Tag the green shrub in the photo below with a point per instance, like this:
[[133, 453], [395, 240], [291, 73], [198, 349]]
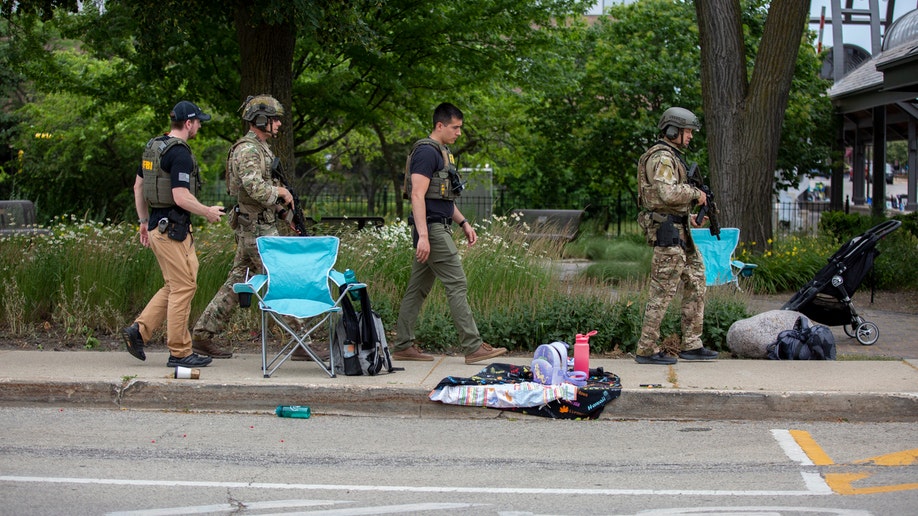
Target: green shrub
[[89, 279], [788, 264]]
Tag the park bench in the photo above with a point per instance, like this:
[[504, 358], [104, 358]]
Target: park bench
[[336, 224], [550, 224], [18, 218]]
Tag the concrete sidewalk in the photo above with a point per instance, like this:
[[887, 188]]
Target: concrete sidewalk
[[880, 384], [727, 389]]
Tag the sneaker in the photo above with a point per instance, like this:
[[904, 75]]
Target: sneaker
[[134, 341], [701, 353], [412, 354], [192, 360], [484, 352], [207, 348], [657, 358]]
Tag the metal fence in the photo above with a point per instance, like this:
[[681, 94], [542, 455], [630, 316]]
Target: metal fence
[[798, 216], [616, 215]]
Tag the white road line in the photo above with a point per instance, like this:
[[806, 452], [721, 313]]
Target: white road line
[[413, 489], [793, 450], [291, 504], [814, 482], [205, 509], [753, 511]]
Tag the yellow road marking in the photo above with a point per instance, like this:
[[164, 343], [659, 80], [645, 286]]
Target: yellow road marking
[[841, 483], [812, 450], [902, 458]]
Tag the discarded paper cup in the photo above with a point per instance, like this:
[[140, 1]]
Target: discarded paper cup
[[245, 299], [185, 373]]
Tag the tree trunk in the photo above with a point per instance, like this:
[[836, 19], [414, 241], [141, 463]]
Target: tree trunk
[[396, 168], [266, 67], [743, 117]]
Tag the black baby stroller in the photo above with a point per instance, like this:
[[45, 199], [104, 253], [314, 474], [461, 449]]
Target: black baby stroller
[[827, 298]]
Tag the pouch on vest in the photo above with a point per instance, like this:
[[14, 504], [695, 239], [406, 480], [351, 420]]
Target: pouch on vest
[[645, 222], [233, 218]]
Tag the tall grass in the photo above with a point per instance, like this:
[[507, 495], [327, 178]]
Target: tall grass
[[89, 279], [505, 271]]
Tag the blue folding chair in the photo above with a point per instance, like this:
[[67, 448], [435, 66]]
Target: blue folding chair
[[295, 285], [719, 266]]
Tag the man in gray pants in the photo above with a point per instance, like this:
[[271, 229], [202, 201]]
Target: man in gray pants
[[432, 183]]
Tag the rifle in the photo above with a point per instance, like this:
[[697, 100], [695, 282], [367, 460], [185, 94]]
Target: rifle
[[710, 208], [297, 221]]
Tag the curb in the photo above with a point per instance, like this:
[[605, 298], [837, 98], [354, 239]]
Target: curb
[[412, 402]]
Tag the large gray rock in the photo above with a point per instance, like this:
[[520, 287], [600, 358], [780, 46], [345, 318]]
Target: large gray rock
[[749, 338]]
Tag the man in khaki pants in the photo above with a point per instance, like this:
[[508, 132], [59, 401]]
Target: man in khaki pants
[[165, 197]]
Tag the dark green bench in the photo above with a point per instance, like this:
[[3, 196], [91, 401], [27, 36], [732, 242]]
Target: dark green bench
[[550, 224]]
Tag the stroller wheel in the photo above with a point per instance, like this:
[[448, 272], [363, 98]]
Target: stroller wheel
[[868, 333], [849, 331]]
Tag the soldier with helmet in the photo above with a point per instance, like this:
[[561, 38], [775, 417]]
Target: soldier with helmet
[[665, 199], [260, 196], [165, 192]]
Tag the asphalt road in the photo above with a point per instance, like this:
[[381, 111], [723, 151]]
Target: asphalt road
[[63, 461]]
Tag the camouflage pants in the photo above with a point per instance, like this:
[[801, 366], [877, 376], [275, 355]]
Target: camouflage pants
[[672, 266], [218, 311]]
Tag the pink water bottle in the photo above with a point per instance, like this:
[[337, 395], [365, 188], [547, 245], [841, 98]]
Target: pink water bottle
[[582, 352]]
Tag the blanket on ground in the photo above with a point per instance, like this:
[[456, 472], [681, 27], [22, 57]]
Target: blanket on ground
[[510, 387]]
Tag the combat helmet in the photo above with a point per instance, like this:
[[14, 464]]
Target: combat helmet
[[259, 109], [676, 118]]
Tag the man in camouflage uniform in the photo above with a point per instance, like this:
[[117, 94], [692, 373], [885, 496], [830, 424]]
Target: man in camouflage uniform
[[666, 200], [260, 197]]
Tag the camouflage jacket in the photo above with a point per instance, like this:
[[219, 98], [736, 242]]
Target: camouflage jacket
[[249, 179], [663, 182]]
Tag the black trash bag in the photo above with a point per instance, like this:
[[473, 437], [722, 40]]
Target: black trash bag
[[822, 343], [803, 342]]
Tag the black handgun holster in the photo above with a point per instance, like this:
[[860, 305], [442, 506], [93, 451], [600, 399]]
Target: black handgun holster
[[668, 234], [179, 226]]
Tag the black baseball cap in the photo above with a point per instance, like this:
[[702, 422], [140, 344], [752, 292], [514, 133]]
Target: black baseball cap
[[185, 110]]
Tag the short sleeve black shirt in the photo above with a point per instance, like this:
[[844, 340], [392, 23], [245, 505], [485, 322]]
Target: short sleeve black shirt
[[426, 160]]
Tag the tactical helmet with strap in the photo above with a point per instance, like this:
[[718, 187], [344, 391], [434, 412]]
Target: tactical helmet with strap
[[258, 110], [676, 118]]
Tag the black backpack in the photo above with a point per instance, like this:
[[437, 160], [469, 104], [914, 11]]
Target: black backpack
[[803, 342], [359, 341]]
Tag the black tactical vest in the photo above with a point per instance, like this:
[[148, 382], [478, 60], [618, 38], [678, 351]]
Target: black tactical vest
[[443, 182]]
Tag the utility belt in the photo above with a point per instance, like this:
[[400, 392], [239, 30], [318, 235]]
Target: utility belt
[[675, 219], [176, 226], [239, 218], [446, 221]]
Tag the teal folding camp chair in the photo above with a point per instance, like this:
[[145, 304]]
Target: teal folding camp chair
[[719, 266], [295, 285]]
